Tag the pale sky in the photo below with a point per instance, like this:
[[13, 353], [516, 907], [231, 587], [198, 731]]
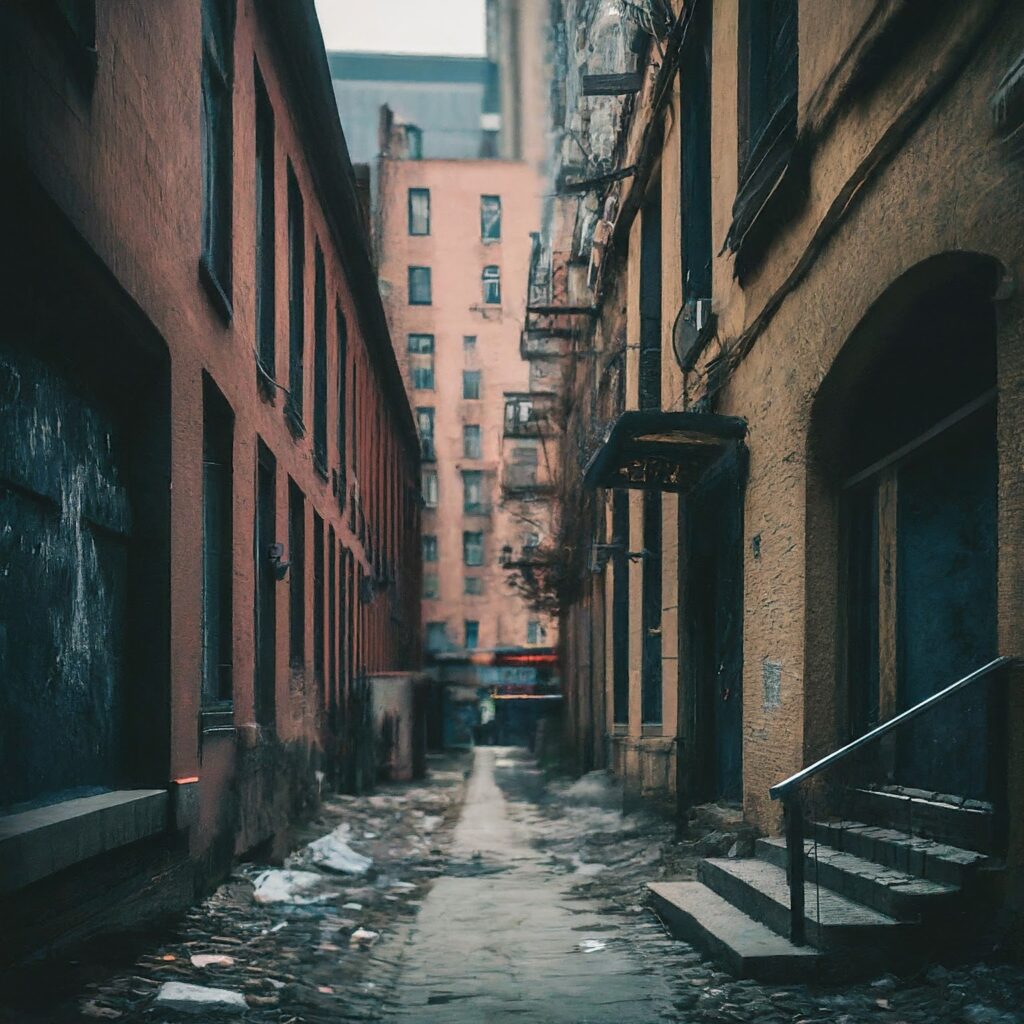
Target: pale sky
[[403, 26]]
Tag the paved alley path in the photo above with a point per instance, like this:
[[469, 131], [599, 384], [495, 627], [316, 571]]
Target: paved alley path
[[500, 938]]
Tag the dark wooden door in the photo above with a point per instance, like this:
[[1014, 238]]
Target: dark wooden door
[[947, 604], [714, 603]]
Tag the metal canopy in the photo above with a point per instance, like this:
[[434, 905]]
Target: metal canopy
[[662, 451]]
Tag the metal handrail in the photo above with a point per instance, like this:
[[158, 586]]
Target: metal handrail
[[789, 789], [780, 788]]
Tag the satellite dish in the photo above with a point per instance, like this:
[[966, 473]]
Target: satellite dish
[[695, 324]]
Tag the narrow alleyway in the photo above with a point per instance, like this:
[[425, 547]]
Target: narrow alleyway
[[501, 936]]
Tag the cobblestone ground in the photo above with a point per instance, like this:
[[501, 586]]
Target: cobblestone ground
[[530, 909]]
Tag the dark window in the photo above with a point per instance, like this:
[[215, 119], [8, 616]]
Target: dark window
[[490, 218], [296, 576], [216, 135], [428, 486], [471, 384], [650, 300], [650, 665], [518, 416], [472, 634], [264, 538], [419, 211], [473, 585], [429, 547], [473, 548], [473, 492], [342, 328], [471, 448], [437, 639], [768, 79], [318, 600], [218, 428], [425, 426], [491, 279], [421, 361], [296, 301], [266, 297], [332, 623], [620, 606], [533, 632], [419, 286], [469, 342], [319, 363], [431, 586], [695, 100]]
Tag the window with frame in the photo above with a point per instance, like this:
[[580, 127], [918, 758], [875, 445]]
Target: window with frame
[[429, 542], [471, 441], [473, 586], [425, 427], [216, 149], [469, 342], [421, 361], [428, 487], [342, 332], [296, 301], [266, 236], [419, 286], [319, 603], [491, 280], [473, 547], [518, 415], [490, 218], [472, 492], [436, 636], [471, 384], [533, 631], [217, 634], [296, 576], [419, 211], [431, 586], [472, 628], [319, 362], [768, 66]]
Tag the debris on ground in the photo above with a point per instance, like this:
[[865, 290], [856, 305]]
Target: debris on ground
[[333, 853], [179, 995]]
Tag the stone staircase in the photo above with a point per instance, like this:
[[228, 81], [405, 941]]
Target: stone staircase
[[877, 897]]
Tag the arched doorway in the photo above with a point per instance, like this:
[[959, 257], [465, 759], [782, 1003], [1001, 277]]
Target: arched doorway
[[904, 433]]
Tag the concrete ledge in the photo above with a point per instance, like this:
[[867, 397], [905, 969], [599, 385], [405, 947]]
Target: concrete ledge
[[41, 842]]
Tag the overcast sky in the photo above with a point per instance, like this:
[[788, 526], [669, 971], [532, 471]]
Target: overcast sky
[[403, 26]]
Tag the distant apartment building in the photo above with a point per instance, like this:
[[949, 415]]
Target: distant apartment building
[[453, 245]]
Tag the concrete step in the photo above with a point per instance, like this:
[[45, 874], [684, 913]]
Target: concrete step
[[967, 824], [887, 890], [833, 922], [745, 947], [916, 855]]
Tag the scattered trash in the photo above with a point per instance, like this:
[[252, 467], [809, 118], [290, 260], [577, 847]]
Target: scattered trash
[[287, 886], [363, 937], [168, 957], [591, 945], [332, 853], [211, 960], [177, 995], [325, 989], [351, 906], [431, 821], [402, 886]]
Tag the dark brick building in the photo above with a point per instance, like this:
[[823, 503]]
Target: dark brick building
[[209, 516]]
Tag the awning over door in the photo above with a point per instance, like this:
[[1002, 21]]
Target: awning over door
[[662, 451]]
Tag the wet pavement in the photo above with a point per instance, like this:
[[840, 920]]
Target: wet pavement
[[503, 937], [490, 892]]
